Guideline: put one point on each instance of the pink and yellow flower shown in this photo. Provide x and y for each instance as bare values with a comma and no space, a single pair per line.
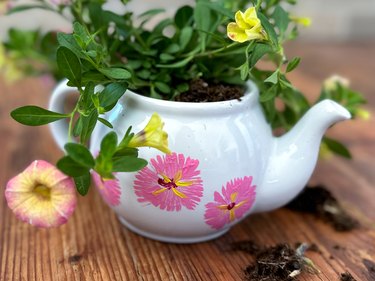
152,135
109,189
41,195
247,27
172,182
234,201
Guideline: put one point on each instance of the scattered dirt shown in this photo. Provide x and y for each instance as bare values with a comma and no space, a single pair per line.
320,202
370,265
201,91
74,259
346,277
280,262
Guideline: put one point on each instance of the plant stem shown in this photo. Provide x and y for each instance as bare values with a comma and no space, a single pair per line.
209,53
71,121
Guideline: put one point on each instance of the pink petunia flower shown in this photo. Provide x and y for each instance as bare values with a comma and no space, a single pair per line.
170,182
41,195
109,189
234,201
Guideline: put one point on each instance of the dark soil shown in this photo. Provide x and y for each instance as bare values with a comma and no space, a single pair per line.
201,91
280,262
320,202
346,277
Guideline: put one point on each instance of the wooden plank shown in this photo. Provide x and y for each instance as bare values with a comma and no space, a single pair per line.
94,246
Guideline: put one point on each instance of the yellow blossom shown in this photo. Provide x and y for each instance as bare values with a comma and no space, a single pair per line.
363,114
3,7
152,135
247,27
8,67
305,21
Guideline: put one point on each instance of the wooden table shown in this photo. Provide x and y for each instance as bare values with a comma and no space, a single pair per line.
94,246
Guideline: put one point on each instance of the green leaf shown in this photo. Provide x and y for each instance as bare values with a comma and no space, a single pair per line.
185,36
111,94
83,183
202,18
268,95
293,64
36,116
77,127
259,51
116,73
88,125
268,28
151,13
244,69
69,65
70,167
105,122
128,164
281,18
337,147
80,154
126,151
183,16
273,78
163,87
108,145
219,9
93,76
68,41
23,8
172,49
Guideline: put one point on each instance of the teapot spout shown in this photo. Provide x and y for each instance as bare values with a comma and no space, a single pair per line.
293,156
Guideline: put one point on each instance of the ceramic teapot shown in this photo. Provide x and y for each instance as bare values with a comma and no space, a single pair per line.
225,163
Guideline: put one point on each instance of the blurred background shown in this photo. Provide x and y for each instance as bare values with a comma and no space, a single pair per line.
333,20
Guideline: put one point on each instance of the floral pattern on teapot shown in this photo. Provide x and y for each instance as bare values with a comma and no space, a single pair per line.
234,201
109,189
170,182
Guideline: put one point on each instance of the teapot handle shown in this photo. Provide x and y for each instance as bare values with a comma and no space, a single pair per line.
60,128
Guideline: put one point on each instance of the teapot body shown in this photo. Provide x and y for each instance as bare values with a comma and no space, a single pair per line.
210,180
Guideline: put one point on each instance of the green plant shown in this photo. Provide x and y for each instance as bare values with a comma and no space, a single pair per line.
118,52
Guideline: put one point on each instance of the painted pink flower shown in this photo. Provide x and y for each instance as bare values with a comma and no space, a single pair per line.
234,201
109,189
170,182
41,195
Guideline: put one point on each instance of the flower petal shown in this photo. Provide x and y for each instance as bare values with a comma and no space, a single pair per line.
235,33
41,195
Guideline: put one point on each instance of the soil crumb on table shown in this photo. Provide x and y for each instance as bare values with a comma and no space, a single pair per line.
320,202
279,262
346,277
201,91
370,266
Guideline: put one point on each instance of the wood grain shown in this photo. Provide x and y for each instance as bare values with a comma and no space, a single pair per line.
94,246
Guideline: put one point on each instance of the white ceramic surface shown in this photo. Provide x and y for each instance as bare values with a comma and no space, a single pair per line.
225,163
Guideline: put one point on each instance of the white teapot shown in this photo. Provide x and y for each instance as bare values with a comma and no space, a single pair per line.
225,163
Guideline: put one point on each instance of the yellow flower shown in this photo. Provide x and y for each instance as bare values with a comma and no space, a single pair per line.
152,135
305,21
247,27
3,7
8,67
363,114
